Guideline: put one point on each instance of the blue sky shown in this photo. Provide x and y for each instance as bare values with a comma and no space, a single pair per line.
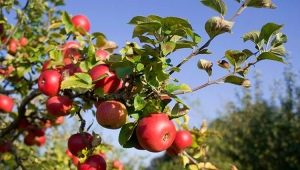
111,18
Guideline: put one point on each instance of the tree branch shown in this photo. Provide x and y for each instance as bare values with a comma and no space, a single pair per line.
217,81
21,111
193,54
240,10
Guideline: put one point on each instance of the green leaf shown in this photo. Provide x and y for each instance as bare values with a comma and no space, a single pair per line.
85,77
139,102
252,36
66,20
269,29
279,39
91,52
168,47
138,20
126,132
79,83
175,22
236,57
269,56
123,69
143,28
205,65
217,5
140,67
234,80
216,26
279,50
261,4
171,88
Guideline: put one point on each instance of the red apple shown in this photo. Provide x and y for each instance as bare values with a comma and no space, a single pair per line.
49,82
81,22
78,142
23,41
71,52
94,162
59,105
29,139
40,140
5,147
109,84
156,132
6,103
183,140
13,46
102,54
111,114
118,165
37,131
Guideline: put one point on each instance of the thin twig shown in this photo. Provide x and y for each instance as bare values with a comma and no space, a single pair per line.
217,81
240,10
190,158
193,54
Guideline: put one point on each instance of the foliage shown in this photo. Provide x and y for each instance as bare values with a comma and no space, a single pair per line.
144,70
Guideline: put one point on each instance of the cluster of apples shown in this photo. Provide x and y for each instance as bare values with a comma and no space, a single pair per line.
157,133
34,132
14,44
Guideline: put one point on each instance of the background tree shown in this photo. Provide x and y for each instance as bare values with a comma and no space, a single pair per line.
260,134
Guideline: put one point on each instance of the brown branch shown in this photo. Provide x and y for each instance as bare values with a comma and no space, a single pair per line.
21,111
217,81
240,10
193,54
190,158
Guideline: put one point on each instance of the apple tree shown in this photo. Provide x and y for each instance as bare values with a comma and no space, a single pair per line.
52,66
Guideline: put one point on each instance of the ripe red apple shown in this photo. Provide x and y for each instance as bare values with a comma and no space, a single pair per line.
102,54
81,22
13,46
71,52
37,131
183,139
77,142
156,132
109,84
40,140
118,165
49,82
94,162
5,147
29,139
111,114
23,41
59,105
6,103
